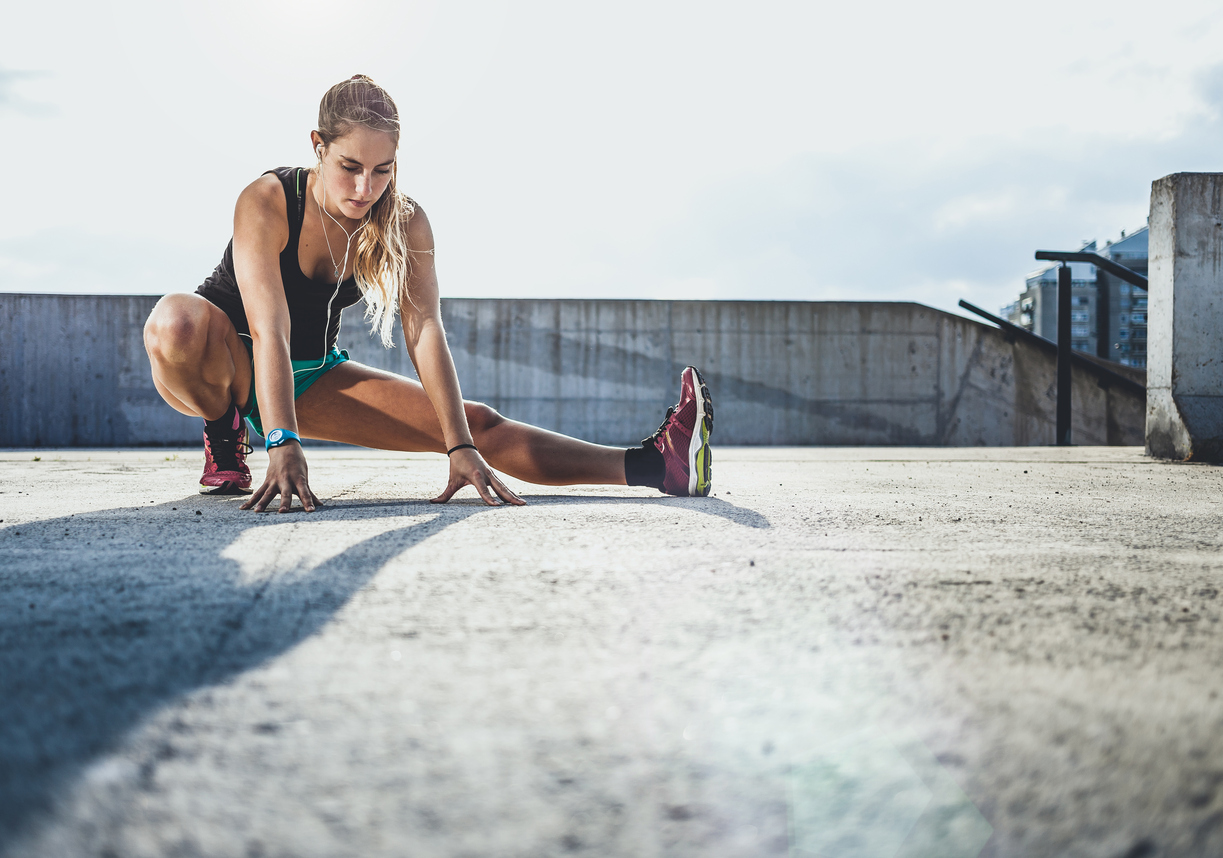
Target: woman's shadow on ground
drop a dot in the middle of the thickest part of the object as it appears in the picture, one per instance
(106, 616)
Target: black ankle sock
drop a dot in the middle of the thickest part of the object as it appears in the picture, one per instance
(644, 466)
(224, 423)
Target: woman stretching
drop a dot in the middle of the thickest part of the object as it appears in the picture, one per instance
(257, 342)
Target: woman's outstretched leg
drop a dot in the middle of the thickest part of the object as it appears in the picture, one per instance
(675, 460)
(356, 404)
(540, 456)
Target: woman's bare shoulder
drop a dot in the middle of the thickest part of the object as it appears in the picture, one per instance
(261, 206)
(420, 231)
(264, 194)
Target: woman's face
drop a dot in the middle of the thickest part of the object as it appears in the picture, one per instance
(356, 170)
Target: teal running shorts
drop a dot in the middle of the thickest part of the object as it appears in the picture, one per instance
(305, 373)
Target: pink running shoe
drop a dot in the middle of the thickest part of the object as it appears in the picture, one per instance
(225, 450)
(683, 438)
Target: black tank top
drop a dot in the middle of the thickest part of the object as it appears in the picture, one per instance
(314, 307)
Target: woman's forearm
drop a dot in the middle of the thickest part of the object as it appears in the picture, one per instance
(431, 356)
(274, 382)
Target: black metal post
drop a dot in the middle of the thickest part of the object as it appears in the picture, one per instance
(1063, 356)
(1104, 316)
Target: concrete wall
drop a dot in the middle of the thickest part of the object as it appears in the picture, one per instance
(73, 372)
(1185, 409)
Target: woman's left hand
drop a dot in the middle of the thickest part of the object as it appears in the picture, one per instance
(468, 468)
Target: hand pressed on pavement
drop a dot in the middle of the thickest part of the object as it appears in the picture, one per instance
(468, 468)
(286, 477)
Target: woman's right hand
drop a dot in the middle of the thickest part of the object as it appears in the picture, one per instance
(286, 477)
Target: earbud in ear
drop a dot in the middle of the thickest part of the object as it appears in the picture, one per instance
(319, 150)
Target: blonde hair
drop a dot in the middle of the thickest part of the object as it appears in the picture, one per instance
(384, 260)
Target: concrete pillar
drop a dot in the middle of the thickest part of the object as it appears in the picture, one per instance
(1185, 324)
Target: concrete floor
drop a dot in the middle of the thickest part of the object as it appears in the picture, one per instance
(844, 652)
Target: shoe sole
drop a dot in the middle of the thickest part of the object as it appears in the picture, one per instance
(229, 487)
(700, 458)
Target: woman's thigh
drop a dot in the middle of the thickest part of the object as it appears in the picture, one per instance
(357, 404)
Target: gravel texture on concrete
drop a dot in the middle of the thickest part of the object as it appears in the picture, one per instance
(844, 652)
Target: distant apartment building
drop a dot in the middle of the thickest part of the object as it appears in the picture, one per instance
(1095, 295)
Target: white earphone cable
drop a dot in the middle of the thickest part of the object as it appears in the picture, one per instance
(338, 270)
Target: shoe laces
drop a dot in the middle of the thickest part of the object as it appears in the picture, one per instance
(666, 421)
(227, 451)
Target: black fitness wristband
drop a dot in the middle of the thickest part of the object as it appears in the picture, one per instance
(462, 447)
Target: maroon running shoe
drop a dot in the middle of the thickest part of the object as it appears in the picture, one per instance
(225, 452)
(683, 438)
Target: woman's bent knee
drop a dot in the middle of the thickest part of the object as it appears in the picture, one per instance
(176, 330)
(481, 417)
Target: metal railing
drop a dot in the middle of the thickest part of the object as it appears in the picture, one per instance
(1107, 376)
(1065, 354)
(1129, 275)
(1064, 351)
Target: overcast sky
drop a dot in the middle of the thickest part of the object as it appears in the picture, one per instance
(773, 150)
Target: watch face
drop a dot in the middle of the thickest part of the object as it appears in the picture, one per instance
(275, 435)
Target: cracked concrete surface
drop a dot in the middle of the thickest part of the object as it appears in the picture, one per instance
(844, 652)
